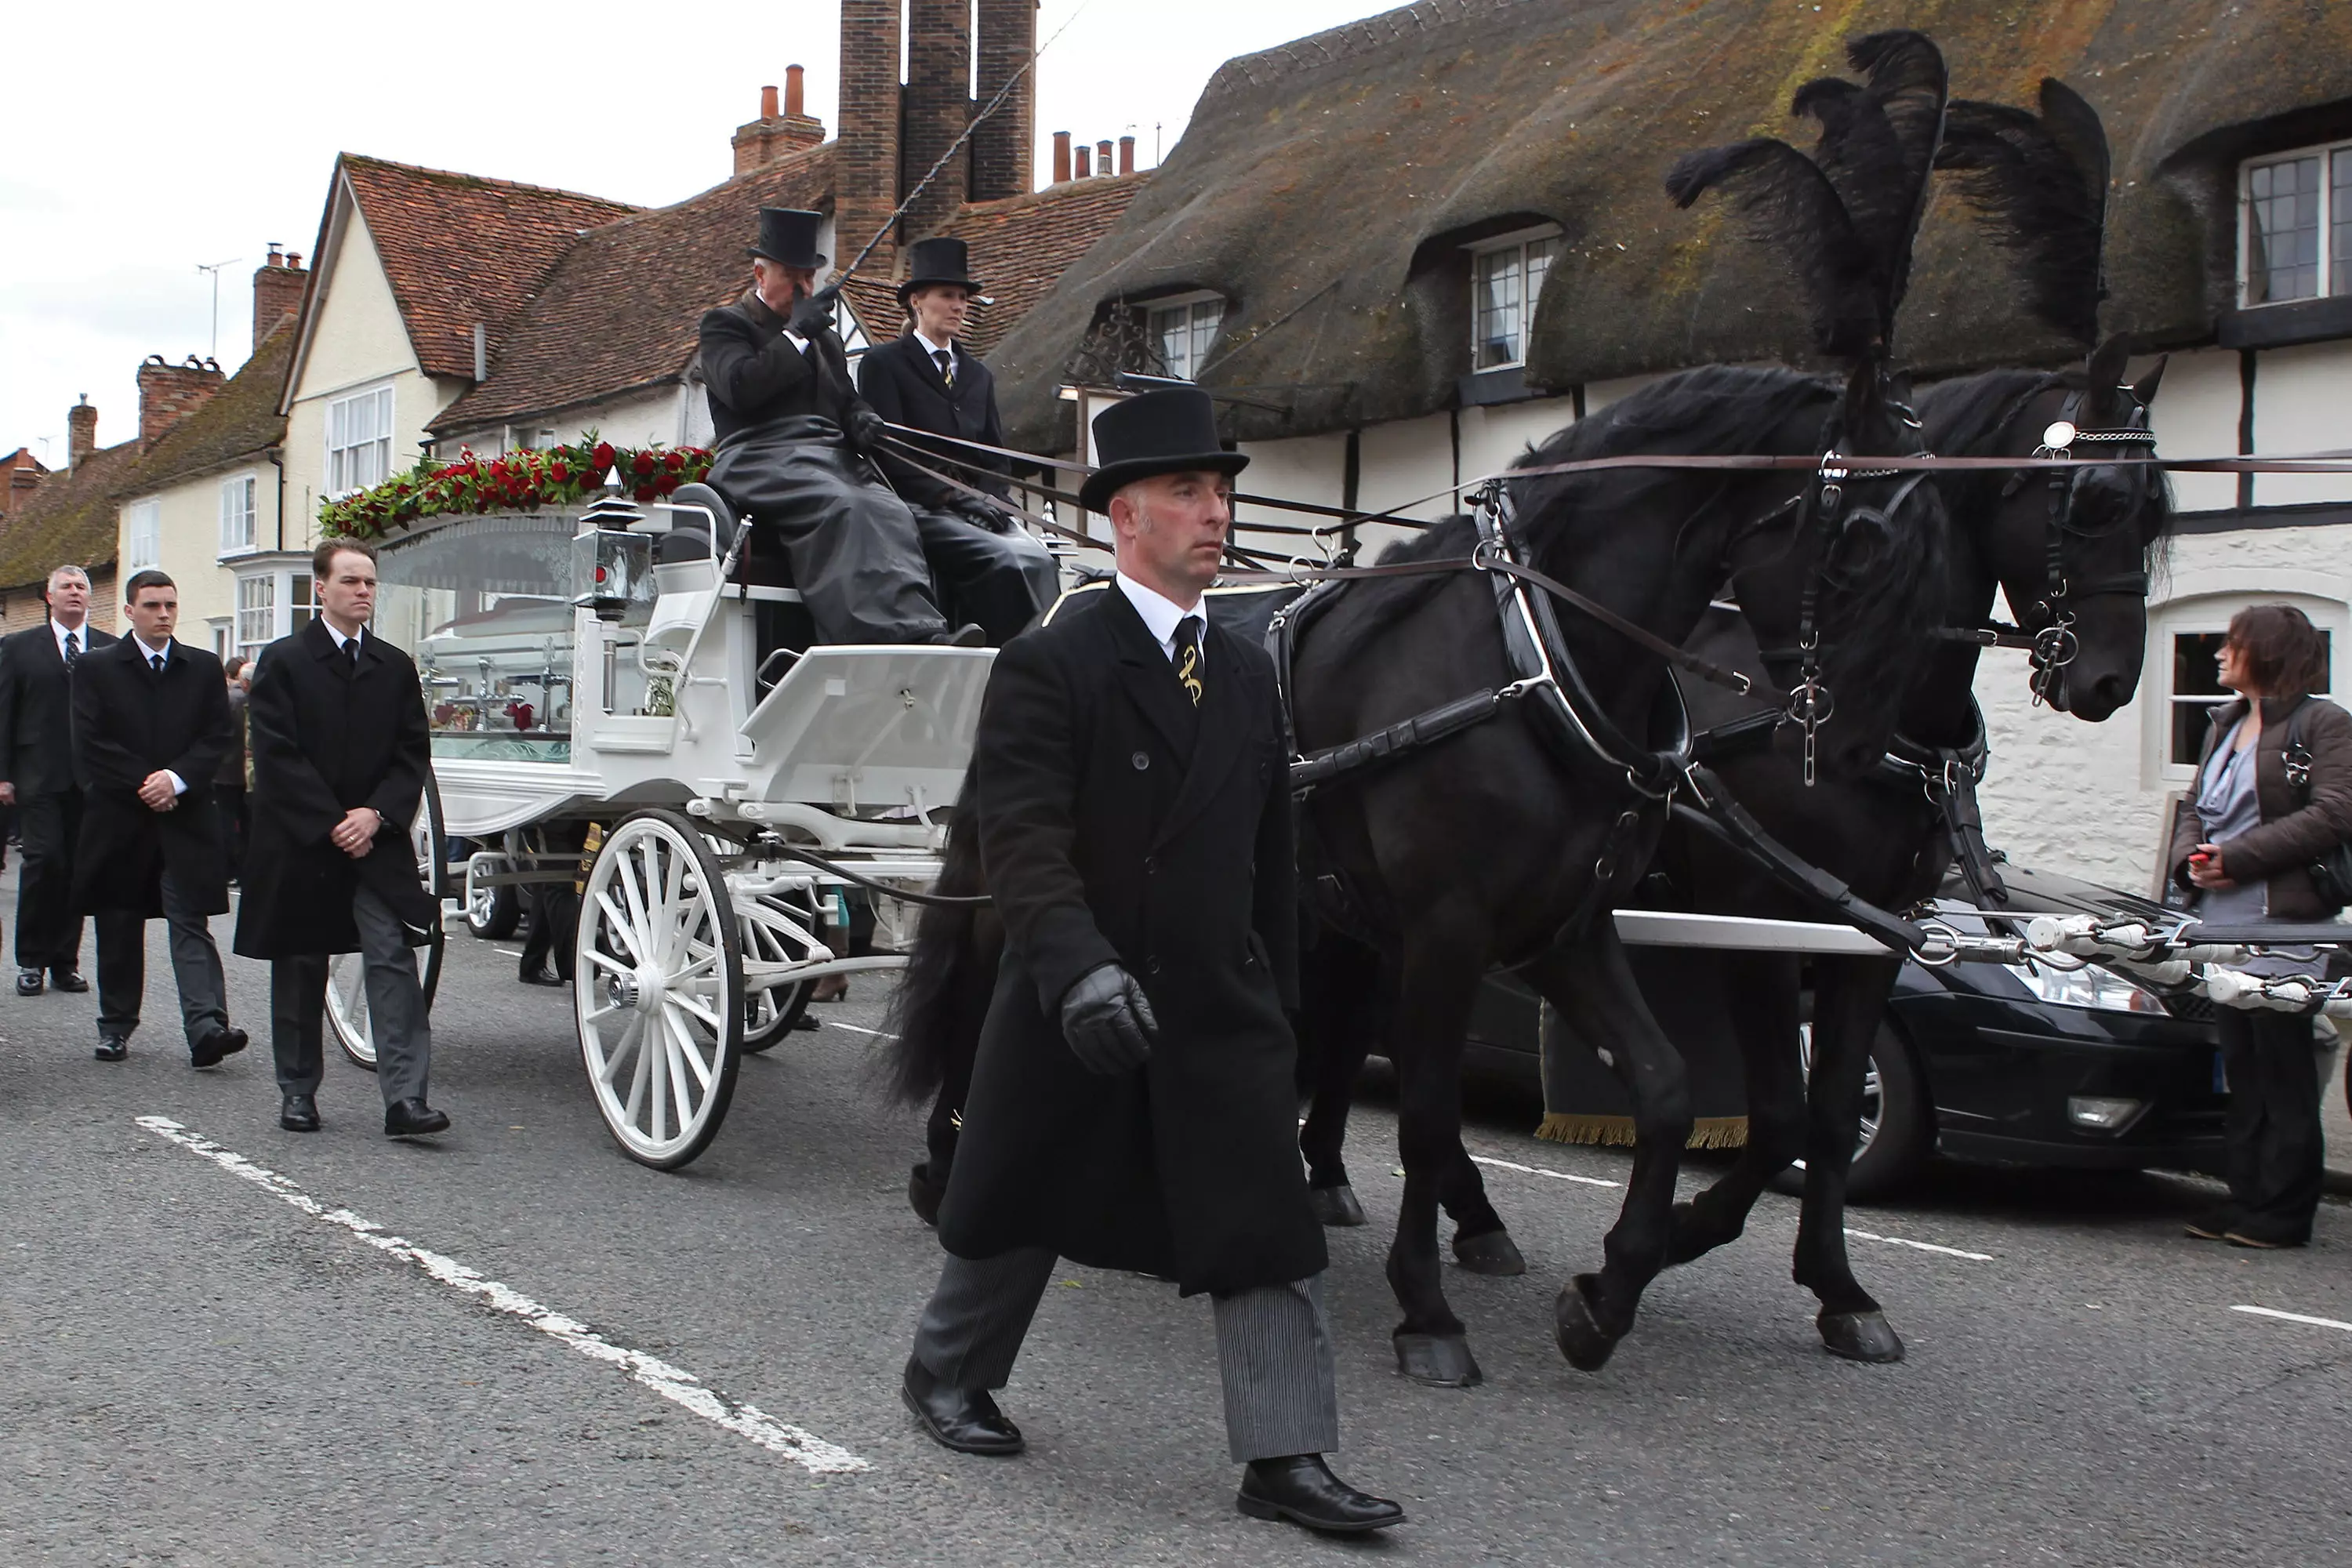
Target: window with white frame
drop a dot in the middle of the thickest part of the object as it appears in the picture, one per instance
(359, 440)
(145, 543)
(237, 496)
(301, 605)
(2193, 688)
(1185, 328)
(1506, 279)
(2297, 237)
(257, 613)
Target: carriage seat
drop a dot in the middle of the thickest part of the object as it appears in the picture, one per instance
(778, 618)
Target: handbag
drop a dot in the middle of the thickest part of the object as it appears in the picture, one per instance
(2331, 874)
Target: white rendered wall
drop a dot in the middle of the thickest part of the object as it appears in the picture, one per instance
(1305, 469)
(2196, 416)
(2300, 406)
(1494, 438)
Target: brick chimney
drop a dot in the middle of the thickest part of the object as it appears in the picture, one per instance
(1126, 155)
(170, 393)
(781, 131)
(1061, 156)
(81, 432)
(866, 160)
(1003, 150)
(939, 108)
(277, 293)
(1086, 169)
(1102, 156)
(23, 473)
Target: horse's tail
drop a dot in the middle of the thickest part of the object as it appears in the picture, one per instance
(935, 1017)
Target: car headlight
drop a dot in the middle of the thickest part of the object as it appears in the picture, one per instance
(2089, 986)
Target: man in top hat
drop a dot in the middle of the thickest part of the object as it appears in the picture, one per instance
(989, 570)
(794, 439)
(1132, 1103)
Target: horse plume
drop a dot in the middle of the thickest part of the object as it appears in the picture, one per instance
(2040, 184)
(1846, 214)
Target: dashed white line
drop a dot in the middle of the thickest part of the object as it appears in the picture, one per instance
(1920, 1246)
(680, 1387)
(2295, 1318)
(859, 1029)
(1539, 1170)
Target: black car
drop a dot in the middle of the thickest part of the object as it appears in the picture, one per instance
(2013, 1064)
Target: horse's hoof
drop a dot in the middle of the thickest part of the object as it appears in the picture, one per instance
(1583, 1339)
(1335, 1206)
(1491, 1252)
(1441, 1361)
(1860, 1336)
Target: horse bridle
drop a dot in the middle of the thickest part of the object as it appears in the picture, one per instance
(2055, 645)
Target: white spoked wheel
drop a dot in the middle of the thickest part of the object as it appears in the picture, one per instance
(347, 1001)
(781, 929)
(659, 997)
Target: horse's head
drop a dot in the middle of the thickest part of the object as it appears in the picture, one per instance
(1843, 595)
(2072, 547)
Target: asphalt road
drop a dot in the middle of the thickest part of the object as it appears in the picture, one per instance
(195, 1369)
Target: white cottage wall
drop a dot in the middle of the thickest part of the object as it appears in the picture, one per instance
(2196, 416)
(2299, 408)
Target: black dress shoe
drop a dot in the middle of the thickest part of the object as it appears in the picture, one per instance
(1302, 1490)
(208, 1051)
(964, 1419)
(65, 980)
(413, 1119)
(112, 1048)
(541, 977)
(28, 983)
(299, 1113)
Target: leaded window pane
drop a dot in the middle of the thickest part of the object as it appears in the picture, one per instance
(2282, 231)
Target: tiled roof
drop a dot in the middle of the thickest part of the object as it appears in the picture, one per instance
(1021, 245)
(459, 250)
(619, 309)
(72, 518)
(240, 420)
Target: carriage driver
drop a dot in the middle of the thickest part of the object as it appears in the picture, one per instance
(793, 436)
(989, 570)
(1132, 1103)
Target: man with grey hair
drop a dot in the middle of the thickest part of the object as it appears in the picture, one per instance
(36, 777)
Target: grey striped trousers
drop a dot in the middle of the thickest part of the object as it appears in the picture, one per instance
(1274, 1348)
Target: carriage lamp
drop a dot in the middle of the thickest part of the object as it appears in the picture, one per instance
(2100, 990)
(612, 563)
(2100, 1112)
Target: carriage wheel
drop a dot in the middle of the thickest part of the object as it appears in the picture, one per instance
(769, 937)
(659, 996)
(347, 1001)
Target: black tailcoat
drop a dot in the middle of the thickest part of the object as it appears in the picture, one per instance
(1119, 823)
(129, 722)
(37, 709)
(326, 738)
(755, 376)
(901, 382)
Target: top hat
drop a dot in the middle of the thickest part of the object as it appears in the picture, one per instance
(933, 262)
(788, 237)
(1170, 430)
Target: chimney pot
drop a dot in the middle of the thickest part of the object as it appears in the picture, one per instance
(767, 103)
(793, 94)
(81, 432)
(1061, 156)
(1126, 155)
(1086, 169)
(1102, 155)
(277, 293)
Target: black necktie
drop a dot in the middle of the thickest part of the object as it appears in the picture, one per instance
(1188, 657)
(156, 659)
(73, 648)
(351, 652)
(947, 366)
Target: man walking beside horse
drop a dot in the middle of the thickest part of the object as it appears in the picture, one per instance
(1131, 1106)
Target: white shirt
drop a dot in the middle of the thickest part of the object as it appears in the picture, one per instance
(150, 654)
(1161, 614)
(80, 636)
(935, 350)
(343, 645)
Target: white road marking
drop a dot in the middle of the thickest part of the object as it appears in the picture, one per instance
(508, 952)
(2295, 1318)
(680, 1387)
(1856, 1235)
(859, 1029)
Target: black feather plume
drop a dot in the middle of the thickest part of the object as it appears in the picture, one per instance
(2040, 183)
(1790, 205)
(1906, 80)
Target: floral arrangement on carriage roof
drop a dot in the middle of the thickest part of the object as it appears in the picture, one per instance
(519, 481)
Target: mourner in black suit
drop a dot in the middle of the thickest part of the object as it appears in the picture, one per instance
(988, 569)
(150, 725)
(792, 438)
(340, 760)
(1131, 1102)
(36, 776)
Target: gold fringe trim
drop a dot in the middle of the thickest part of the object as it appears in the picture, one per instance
(1706, 1132)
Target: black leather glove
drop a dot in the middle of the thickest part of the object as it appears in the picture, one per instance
(1108, 1021)
(813, 313)
(867, 430)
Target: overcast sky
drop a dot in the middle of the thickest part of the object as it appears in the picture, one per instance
(147, 140)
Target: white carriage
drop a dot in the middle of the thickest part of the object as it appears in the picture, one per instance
(646, 674)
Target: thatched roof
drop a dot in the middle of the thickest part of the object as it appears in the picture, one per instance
(1322, 187)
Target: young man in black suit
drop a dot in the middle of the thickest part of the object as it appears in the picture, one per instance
(989, 569)
(341, 758)
(794, 439)
(151, 724)
(1132, 1104)
(37, 777)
